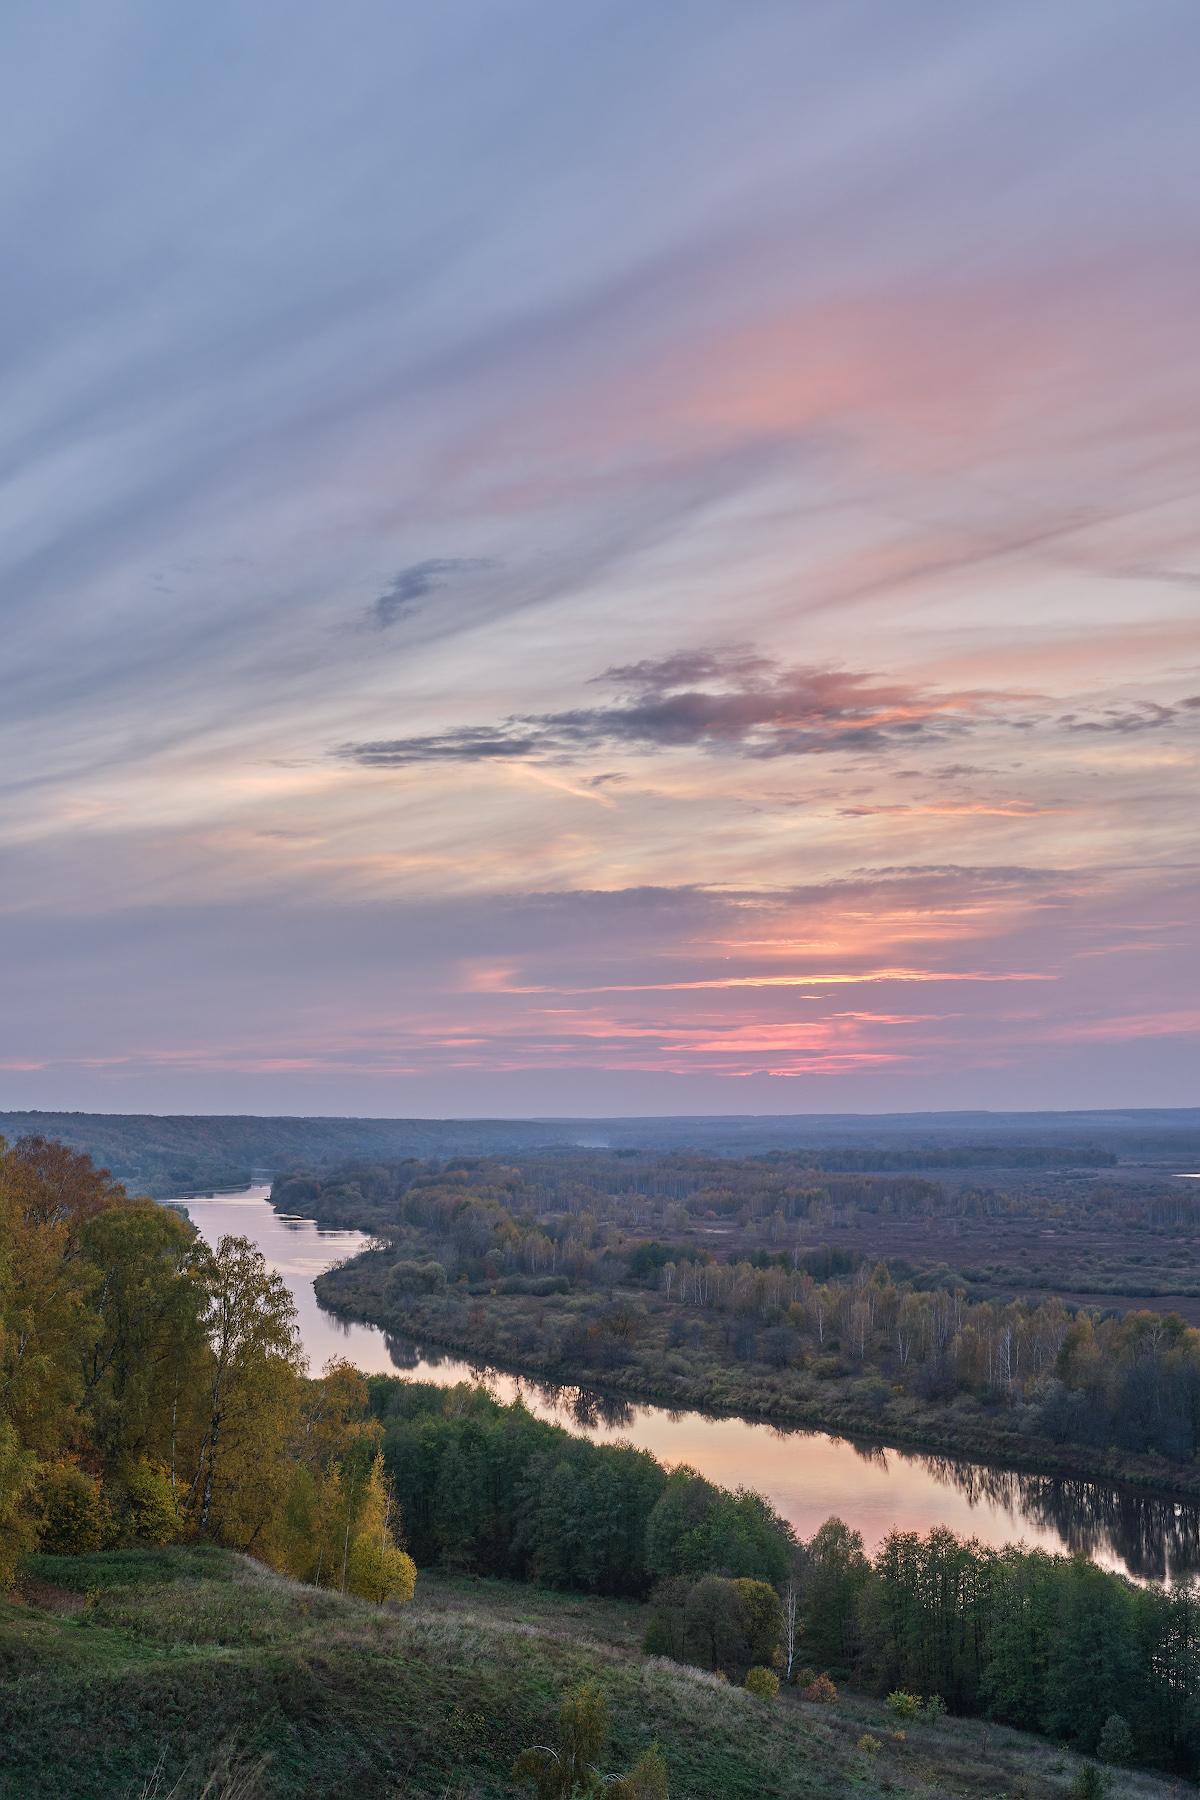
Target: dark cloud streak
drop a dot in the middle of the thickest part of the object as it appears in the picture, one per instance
(1141, 715)
(737, 703)
(750, 706)
(415, 583)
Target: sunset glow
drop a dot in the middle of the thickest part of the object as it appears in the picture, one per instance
(690, 601)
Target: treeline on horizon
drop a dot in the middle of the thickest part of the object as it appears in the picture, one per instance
(171, 1154)
(781, 1197)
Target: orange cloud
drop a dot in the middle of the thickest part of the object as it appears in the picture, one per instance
(816, 978)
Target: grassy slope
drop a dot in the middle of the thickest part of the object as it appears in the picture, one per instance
(185, 1664)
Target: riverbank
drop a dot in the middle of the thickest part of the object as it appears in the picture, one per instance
(762, 1397)
(806, 1480)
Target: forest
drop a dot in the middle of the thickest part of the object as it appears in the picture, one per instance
(1048, 1643)
(152, 1389)
(155, 1412)
(622, 1273)
(167, 1155)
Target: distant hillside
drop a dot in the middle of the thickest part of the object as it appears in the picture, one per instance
(174, 1154)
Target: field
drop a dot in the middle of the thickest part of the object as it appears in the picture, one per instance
(1125, 1267)
(144, 1674)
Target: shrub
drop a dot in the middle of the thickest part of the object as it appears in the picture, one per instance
(75, 1515)
(935, 1707)
(154, 1509)
(379, 1571)
(762, 1683)
(582, 1734)
(820, 1689)
(1089, 1784)
(903, 1705)
(872, 1394)
(406, 1277)
(647, 1780)
(1116, 1740)
(540, 1286)
(870, 1746)
(716, 1623)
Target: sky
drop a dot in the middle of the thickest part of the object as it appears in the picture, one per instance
(599, 558)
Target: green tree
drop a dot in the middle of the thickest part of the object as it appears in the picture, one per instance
(695, 1528)
(666, 1626)
(154, 1510)
(835, 1576)
(1094, 1660)
(455, 1510)
(1116, 1743)
(762, 1613)
(1023, 1617)
(745, 1537)
(715, 1625)
(142, 1337)
(676, 1541)
(1090, 1784)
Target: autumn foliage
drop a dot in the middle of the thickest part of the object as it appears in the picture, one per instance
(152, 1389)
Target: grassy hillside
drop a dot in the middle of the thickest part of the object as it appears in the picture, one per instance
(188, 1673)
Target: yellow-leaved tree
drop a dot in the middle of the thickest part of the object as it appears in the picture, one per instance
(48, 1195)
(335, 1438)
(246, 1400)
(376, 1568)
(152, 1388)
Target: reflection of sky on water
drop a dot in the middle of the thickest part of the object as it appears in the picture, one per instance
(299, 1250)
(806, 1475)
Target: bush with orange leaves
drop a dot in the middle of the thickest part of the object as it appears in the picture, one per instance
(820, 1689)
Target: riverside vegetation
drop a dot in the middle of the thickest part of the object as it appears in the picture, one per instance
(212, 1567)
(704, 1283)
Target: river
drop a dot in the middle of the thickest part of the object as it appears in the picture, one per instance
(807, 1475)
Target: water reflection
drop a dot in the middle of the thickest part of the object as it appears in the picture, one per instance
(1154, 1539)
(1146, 1536)
(807, 1475)
(588, 1409)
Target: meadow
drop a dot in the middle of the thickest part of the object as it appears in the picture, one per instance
(198, 1673)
